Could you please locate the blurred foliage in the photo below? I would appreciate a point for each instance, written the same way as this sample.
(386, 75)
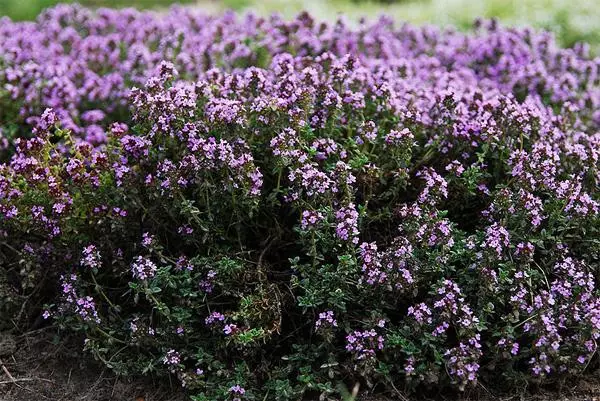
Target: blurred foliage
(29, 9)
(572, 21)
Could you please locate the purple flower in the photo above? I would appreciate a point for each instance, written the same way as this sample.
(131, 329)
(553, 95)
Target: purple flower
(364, 344)
(310, 219)
(143, 268)
(147, 240)
(213, 318)
(229, 329)
(347, 224)
(326, 320)
(90, 257)
(172, 358)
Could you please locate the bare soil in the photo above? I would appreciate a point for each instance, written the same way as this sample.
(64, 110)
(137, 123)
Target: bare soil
(34, 366)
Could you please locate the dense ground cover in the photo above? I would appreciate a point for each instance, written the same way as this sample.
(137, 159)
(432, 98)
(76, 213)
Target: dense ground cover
(268, 208)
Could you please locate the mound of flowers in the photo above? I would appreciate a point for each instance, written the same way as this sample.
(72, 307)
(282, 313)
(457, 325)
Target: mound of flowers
(269, 209)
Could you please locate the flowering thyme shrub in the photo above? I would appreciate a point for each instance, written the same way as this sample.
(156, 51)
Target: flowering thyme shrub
(400, 207)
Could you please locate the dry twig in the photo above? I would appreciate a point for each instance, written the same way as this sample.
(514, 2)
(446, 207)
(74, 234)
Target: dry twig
(5, 370)
(25, 379)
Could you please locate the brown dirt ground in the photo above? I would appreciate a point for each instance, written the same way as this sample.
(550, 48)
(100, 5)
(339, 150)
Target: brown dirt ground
(33, 367)
(43, 371)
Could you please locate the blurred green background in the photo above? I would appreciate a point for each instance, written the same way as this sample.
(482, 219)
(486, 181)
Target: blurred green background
(571, 20)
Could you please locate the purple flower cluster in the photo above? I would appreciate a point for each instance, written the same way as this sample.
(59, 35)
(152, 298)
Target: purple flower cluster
(214, 318)
(143, 268)
(326, 320)
(364, 344)
(463, 361)
(391, 267)
(207, 284)
(237, 392)
(347, 224)
(172, 359)
(90, 257)
(439, 184)
(82, 306)
(217, 320)
(451, 313)
(311, 219)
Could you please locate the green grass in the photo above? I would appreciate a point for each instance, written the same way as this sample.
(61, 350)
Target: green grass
(571, 20)
(29, 9)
